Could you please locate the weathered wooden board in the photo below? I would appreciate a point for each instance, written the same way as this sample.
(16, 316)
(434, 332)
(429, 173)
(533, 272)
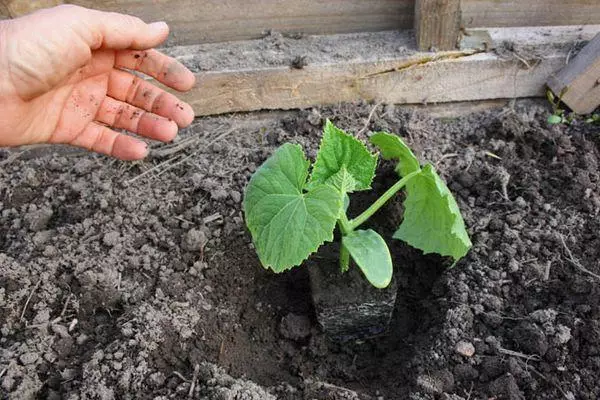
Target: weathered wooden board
(578, 83)
(208, 21)
(225, 20)
(19, 7)
(477, 77)
(513, 13)
(415, 78)
(437, 24)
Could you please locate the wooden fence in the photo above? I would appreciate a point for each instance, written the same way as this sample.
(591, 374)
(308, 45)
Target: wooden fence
(452, 74)
(206, 21)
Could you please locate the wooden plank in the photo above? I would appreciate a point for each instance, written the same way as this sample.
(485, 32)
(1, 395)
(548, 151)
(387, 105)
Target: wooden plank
(513, 13)
(413, 78)
(4, 13)
(578, 84)
(209, 21)
(437, 24)
(13, 8)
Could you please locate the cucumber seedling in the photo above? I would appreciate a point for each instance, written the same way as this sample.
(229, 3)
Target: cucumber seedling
(291, 208)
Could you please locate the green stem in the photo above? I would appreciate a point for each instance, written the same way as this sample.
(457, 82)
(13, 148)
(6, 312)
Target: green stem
(345, 228)
(344, 258)
(362, 218)
(344, 225)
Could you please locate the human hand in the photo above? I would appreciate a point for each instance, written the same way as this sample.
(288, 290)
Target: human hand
(64, 79)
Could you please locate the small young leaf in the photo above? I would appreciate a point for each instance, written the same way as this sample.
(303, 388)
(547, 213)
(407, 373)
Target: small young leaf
(343, 181)
(340, 150)
(286, 223)
(372, 256)
(554, 119)
(432, 220)
(394, 148)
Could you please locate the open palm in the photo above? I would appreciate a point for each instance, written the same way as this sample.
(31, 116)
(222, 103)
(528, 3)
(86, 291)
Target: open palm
(65, 77)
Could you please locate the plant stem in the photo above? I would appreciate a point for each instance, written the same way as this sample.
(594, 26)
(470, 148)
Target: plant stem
(344, 225)
(362, 218)
(345, 228)
(344, 258)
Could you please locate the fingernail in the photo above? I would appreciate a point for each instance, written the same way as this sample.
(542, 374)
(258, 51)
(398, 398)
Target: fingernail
(159, 27)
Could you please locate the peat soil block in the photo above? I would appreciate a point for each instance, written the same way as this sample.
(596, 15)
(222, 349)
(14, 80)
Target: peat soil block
(139, 281)
(347, 306)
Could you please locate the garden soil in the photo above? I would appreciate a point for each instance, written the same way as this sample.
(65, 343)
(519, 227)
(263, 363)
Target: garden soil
(139, 280)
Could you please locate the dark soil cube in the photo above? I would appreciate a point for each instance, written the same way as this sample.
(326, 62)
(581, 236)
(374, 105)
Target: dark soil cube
(348, 307)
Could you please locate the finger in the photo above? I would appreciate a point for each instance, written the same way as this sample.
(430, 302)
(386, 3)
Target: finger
(113, 30)
(163, 68)
(133, 90)
(103, 140)
(119, 115)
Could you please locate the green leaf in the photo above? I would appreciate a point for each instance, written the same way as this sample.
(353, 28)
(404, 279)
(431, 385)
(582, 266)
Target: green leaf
(394, 148)
(343, 181)
(372, 256)
(286, 223)
(554, 119)
(432, 220)
(340, 150)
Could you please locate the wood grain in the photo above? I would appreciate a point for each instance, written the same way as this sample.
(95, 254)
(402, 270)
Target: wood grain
(437, 24)
(207, 21)
(14, 8)
(578, 84)
(225, 20)
(513, 13)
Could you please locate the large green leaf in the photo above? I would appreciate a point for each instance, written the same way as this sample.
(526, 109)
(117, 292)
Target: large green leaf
(394, 148)
(432, 220)
(372, 256)
(340, 150)
(287, 224)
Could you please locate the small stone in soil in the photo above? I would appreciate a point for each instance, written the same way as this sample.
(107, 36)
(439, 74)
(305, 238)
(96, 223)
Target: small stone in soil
(465, 348)
(295, 327)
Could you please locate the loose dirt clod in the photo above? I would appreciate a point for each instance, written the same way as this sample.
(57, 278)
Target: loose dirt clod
(194, 240)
